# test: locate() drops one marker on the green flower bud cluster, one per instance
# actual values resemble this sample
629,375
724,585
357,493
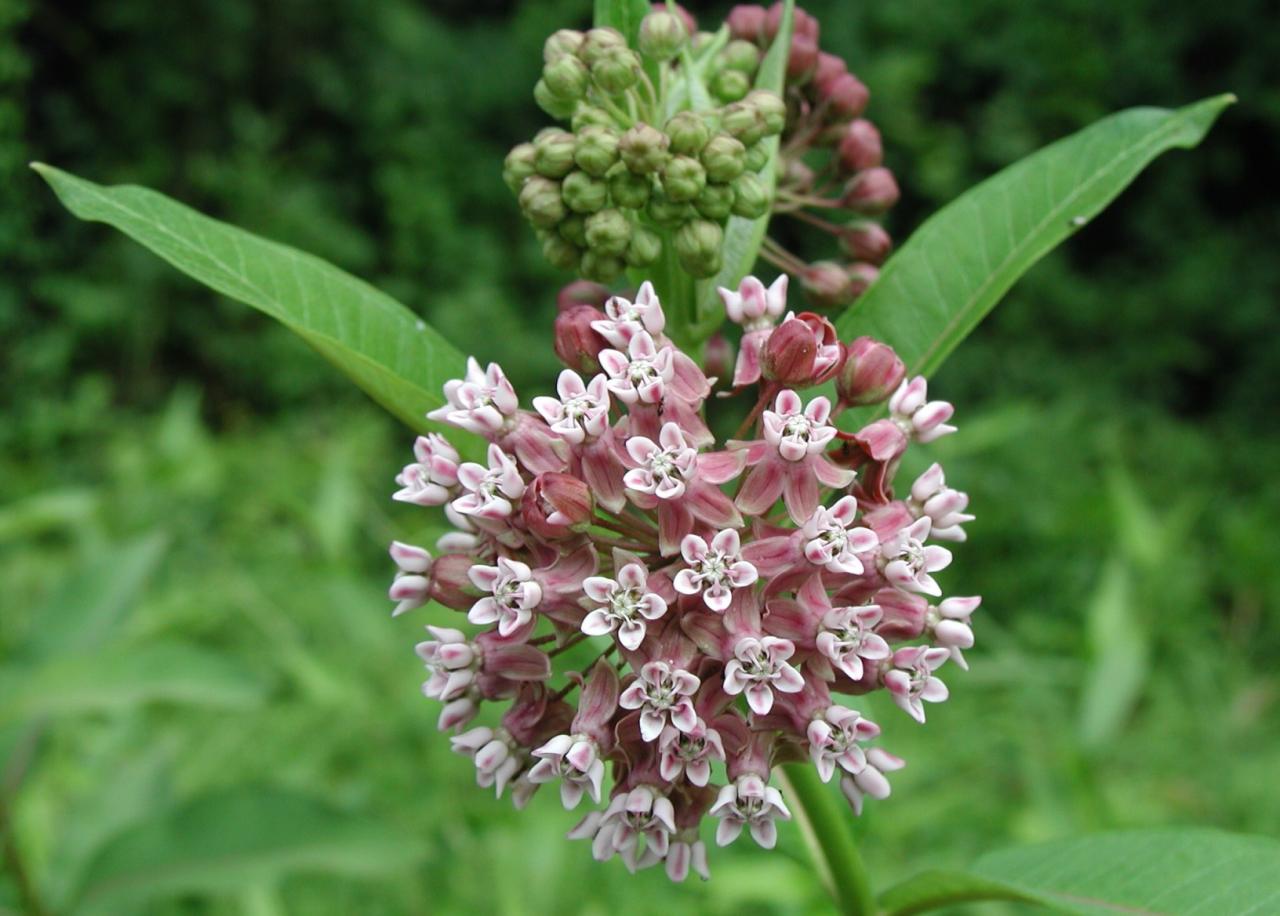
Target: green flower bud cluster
608,190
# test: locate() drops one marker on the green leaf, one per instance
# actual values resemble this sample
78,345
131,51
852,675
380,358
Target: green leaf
87,606
742,237
955,268
121,677
1169,871
623,15
380,345
240,838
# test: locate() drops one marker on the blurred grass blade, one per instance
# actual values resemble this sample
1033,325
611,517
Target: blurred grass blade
378,343
89,603
240,837
1119,655
955,268
1169,871
623,15
742,237
120,677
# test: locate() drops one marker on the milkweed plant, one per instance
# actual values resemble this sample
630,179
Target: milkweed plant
670,576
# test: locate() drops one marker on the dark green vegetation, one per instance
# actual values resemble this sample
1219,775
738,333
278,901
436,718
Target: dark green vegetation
193,507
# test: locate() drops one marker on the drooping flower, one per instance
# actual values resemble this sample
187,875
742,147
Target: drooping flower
912,682
483,402
835,739
749,802
431,479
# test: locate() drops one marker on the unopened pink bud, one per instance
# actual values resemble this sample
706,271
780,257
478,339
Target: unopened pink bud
517,662
598,703
826,283
883,440
866,241
450,584
847,95
860,147
903,614
871,192
804,350
717,357
747,21
690,24
801,24
803,58
861,276
582,292
557,506
577,343
828,68
799,176
872,371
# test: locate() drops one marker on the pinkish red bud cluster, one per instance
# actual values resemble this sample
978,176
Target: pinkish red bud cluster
667,619
825,108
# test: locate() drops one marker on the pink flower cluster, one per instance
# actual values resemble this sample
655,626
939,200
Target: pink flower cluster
710,608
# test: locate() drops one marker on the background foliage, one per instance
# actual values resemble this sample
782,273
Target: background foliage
193,507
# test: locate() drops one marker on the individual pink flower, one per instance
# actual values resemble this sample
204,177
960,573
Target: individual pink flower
756,309
495,754
626,318
452,660
513,595
831,543
642,373
662,693
920,418
834,740
945,507
430,480
575,761
483,402
685,855
846,638
912,682
412,583
870,780
907,562
689,753
749,802
622,604
758,668
664,467
714,570
582,411
951,628
789,462
638,825
490,490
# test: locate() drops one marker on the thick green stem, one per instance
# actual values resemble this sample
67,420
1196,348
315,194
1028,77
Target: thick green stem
825,825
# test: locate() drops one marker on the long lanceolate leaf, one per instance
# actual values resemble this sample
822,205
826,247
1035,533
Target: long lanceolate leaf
1171,871
956,267
381,346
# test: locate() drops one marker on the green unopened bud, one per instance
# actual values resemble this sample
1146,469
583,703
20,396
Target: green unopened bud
662,35
750,197
700,41
683,178
585,116
757,157
669,213
643,149
518,166
566,77
724,158
698,247
551,103
608,232
629,190
616,70
689,133
644,247
743,121
603,268
559,252
597,41
740,55
553,154
558,44
540,201
584,194
597,150
573,228
730,85
771,108
715,202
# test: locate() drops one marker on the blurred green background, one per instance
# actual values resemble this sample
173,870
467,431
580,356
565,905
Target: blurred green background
194,508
